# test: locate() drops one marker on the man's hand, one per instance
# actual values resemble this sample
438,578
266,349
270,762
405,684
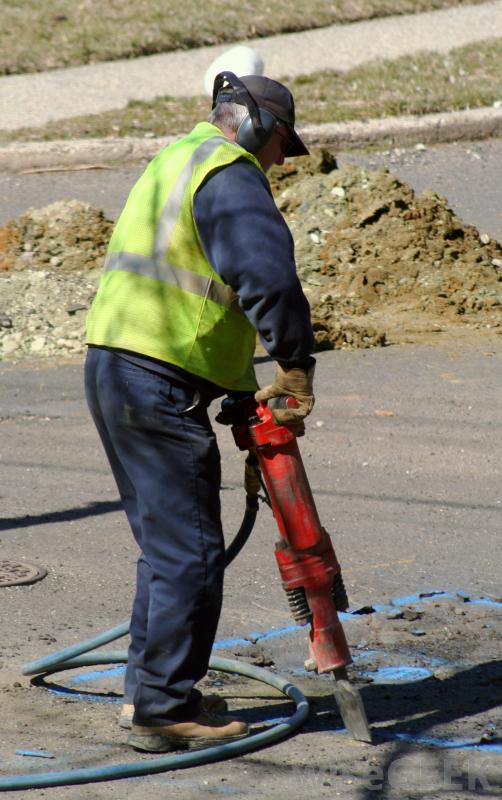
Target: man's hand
290,382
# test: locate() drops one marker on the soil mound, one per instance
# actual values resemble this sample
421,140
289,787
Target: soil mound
66,236
378,262
50,259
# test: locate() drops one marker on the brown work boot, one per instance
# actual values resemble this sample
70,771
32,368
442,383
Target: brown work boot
212,703
205,730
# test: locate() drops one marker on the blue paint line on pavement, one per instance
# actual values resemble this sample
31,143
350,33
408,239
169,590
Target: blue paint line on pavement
35,753
262,636
391,674
438,594
97,674
400,674
226,644
382,608
257,636
382,675
486,601
274,633
436,741
412,599
66,691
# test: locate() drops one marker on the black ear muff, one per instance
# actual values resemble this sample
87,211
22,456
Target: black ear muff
258,125
252,137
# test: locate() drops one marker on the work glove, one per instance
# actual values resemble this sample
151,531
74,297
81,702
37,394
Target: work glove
290,382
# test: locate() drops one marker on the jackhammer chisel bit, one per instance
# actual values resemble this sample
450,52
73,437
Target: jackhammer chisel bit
309,569
350,705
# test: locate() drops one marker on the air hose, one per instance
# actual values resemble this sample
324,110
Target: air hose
74,656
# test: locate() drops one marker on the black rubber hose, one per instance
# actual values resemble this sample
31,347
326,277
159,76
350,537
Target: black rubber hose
244,532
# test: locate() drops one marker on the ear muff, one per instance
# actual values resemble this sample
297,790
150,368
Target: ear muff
252,137
258,125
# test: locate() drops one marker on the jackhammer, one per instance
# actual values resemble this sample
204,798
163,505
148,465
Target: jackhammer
309,569
310,574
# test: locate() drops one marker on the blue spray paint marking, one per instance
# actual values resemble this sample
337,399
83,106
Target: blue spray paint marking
35,753
436,741
85,697
257,636
486,601
401,674
412,599
437,594
97,674
382,675
391,674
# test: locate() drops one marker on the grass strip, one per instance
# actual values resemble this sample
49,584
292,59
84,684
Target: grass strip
37,36
467,77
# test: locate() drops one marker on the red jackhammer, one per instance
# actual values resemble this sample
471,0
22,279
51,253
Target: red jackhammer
308,566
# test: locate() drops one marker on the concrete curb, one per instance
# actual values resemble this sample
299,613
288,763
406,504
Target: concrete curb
480,123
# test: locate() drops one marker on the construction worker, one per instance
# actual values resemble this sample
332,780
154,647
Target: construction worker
200,259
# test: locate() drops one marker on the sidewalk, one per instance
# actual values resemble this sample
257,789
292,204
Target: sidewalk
35,99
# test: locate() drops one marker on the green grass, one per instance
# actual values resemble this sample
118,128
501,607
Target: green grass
469,77
37,35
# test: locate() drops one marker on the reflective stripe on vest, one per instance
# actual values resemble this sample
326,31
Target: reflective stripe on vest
169,215
157,267
177,276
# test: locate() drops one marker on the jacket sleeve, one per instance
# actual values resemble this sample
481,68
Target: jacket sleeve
248,244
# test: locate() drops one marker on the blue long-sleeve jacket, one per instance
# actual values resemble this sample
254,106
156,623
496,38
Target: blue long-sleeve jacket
249,245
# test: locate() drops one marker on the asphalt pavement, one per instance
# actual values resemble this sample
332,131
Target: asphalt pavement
402,452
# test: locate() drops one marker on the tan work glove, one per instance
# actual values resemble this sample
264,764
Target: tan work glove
292,382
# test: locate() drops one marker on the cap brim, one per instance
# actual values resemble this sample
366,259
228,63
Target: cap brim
295,145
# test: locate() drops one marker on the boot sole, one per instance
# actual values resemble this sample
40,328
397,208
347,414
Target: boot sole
155,743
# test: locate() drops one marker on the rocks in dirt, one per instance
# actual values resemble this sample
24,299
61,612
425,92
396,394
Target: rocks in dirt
369,250
50,261
38,302
375,259
67,236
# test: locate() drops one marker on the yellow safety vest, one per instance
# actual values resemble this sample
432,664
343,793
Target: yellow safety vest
158,295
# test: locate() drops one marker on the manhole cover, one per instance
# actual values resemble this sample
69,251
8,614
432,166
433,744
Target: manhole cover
13,573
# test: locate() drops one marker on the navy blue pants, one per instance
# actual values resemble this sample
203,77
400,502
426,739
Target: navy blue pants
166,463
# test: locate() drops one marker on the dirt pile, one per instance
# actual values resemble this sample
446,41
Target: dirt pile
377,260
68,236
50,260
378,263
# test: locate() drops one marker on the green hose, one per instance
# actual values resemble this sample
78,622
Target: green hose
73,656
171,762
47,663
60,659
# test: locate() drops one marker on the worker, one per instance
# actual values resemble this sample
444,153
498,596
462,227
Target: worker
199,261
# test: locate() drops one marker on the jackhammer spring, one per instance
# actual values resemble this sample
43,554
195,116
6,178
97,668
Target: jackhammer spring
339,594
298,605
